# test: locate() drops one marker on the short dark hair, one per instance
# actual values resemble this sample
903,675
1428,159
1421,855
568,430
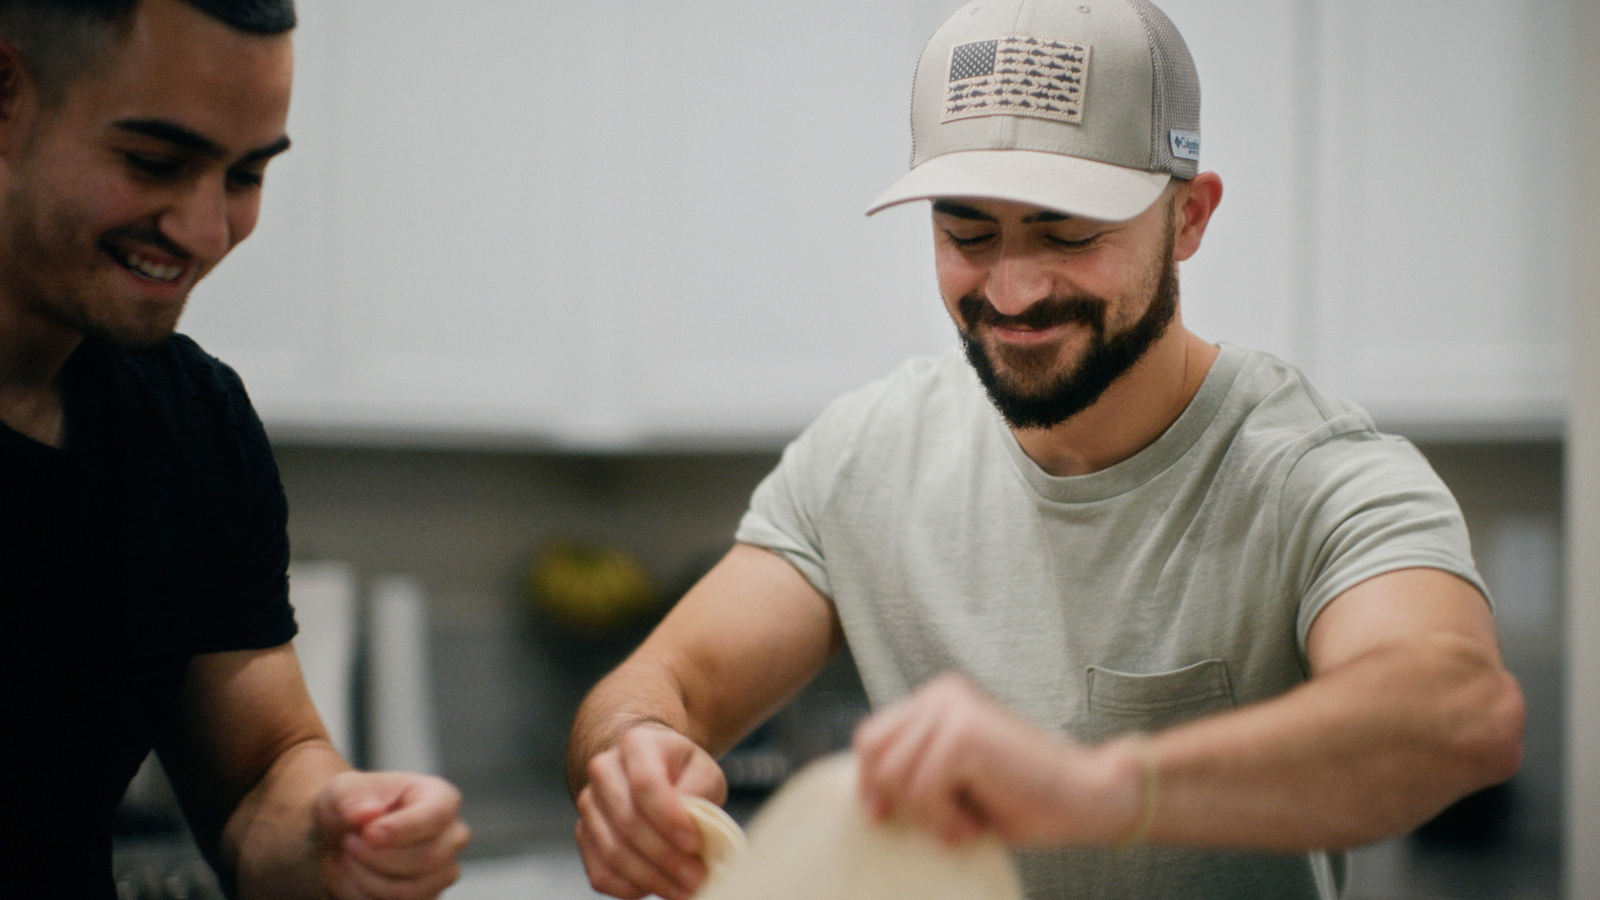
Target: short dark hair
61,40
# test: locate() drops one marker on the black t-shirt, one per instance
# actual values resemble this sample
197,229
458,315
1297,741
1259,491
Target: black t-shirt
156,533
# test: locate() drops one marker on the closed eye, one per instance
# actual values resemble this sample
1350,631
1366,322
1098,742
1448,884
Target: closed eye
1073,243
159,167
246,178
968,242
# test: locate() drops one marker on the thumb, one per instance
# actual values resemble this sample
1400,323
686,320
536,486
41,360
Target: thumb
349,801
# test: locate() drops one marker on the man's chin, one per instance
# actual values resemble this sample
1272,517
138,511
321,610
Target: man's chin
132,335
1026,400
1029,373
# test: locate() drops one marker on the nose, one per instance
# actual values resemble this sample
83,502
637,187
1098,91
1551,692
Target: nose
202,222
1016,281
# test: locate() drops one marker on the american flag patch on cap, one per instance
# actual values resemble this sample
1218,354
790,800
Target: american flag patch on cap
1017,75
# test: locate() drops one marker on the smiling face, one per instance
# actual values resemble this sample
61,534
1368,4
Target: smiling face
1052,310
121,197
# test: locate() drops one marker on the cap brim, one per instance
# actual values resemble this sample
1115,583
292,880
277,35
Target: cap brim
1064,184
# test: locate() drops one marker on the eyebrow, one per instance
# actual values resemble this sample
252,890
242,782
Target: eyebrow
179,136
961,211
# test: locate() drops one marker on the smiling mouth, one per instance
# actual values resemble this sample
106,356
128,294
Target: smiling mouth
145,267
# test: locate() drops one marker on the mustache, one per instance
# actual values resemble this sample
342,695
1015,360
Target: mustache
1051,311
141,234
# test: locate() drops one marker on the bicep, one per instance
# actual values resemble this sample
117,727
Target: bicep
239,712
742,641
1399,607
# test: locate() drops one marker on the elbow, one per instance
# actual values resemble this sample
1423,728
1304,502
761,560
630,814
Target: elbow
1491,715
1504,720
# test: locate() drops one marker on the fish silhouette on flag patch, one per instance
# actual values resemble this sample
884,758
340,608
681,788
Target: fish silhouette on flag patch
1017,75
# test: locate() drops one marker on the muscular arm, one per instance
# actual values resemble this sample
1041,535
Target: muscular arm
730,653
276,809
1407,709
249,750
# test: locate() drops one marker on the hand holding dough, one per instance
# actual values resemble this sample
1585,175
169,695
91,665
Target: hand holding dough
812,841
721,837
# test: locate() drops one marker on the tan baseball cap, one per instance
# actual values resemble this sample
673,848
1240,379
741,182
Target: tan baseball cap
1086,108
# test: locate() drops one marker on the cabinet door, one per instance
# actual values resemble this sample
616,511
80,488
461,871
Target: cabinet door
601,224
623,223
1246,285
1442,253
270,309
754,288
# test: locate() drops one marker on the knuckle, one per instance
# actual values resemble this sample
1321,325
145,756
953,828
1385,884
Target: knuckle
606,881
640,781
461,838
586,804
450,875
598,765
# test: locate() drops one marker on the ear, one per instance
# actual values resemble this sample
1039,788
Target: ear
18,96
1197,199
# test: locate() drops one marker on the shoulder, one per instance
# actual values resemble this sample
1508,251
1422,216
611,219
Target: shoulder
1280,401
175,375
891,424
1277,414
1326,457
1280,436
170,398
920,391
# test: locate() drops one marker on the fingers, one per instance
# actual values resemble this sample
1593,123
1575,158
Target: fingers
625,861
423,809
634,834
889,749
913,756
952,760
390,835
353,876
348,802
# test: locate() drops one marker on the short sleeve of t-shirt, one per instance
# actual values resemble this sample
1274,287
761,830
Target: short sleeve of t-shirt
788,507
178,458
256,580
1358,504
783,511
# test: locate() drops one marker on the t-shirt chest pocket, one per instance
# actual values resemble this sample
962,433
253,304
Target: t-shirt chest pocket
1118,703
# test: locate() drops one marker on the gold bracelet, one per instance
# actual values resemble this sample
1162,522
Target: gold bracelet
1149,785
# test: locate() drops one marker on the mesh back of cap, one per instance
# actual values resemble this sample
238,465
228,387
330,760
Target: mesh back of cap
1177,89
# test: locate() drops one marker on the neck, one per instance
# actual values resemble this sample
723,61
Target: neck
1133,412
32,353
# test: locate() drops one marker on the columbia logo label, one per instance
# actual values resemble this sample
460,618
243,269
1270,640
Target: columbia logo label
1185,144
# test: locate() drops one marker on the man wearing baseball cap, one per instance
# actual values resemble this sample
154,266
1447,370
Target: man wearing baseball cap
1152,610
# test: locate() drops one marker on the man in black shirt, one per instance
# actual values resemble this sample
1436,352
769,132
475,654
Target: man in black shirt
143,550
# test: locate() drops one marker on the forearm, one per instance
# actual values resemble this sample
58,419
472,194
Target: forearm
638,691
1358,754
268,847
731,653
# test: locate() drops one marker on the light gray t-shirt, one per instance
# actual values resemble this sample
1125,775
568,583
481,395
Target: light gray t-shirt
1177,583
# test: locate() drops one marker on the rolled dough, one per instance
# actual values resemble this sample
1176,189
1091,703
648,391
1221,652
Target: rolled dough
812,841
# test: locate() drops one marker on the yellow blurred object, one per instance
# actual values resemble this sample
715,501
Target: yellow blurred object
591,591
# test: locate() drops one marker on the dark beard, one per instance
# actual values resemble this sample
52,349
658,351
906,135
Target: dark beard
1068,393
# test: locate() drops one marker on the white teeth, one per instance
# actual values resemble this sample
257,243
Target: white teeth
151,269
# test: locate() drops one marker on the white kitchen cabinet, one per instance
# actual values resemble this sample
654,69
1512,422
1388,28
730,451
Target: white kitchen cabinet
622,223
602,224
1243,286
1393,218
1443,254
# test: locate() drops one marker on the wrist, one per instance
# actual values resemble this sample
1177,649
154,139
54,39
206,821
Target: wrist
1139,784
